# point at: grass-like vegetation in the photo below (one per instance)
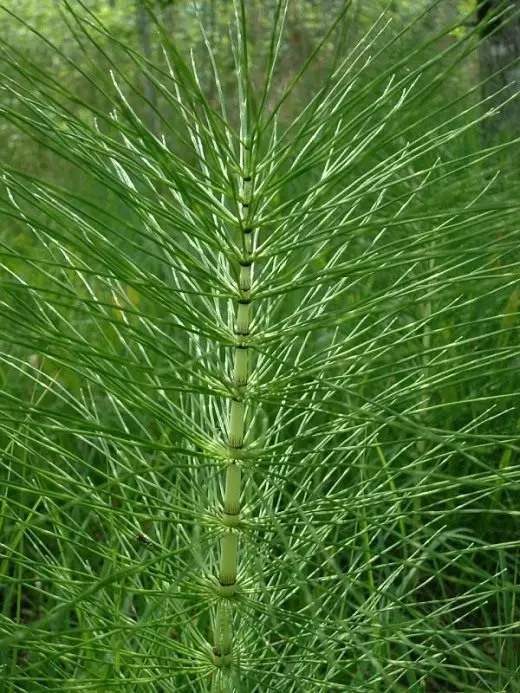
(260, 364)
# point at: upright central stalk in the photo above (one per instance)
(229, 543)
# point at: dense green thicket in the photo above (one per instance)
(259, 354)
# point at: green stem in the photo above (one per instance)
(229, 542)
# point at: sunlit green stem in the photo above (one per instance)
(229, 542)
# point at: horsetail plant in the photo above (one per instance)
(259, 360)
(223, 640)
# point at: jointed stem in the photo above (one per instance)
(229, 544)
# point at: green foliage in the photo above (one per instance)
(260, 365)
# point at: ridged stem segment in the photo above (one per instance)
(229, 542)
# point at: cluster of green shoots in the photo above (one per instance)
(258, 357)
